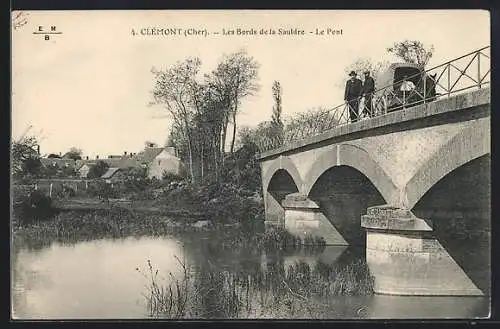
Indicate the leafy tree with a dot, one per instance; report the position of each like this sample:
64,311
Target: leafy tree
32,166
202,110
365,64
34,207
49,171
66,171
21,151
276,121
136,179
235,78
261,136
98,169
175,88
74,154
308,123
412,51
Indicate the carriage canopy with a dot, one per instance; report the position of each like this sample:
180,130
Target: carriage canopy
395,73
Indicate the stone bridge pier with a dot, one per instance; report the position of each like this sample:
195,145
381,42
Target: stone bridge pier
412,186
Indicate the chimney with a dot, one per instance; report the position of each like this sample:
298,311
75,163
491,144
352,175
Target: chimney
125,153
97,157
60,154
87,157
38,149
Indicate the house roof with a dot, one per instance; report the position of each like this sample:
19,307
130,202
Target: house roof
148,154
123,162
110,172
58,162
167,155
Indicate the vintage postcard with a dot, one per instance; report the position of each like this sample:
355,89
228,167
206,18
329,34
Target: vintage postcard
250,164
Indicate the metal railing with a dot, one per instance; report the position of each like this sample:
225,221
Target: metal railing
462,74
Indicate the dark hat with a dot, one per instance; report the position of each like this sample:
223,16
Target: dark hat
352,73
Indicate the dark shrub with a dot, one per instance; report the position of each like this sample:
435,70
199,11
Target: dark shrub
36,207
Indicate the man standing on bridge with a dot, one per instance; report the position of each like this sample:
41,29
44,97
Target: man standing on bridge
368,89
352,94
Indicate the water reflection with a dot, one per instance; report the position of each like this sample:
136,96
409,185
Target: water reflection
98,279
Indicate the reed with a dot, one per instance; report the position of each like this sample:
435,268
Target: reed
296,291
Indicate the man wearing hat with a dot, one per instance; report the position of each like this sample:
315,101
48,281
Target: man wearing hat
368,89
352,94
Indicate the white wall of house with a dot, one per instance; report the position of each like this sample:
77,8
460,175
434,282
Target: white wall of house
164,162
84,170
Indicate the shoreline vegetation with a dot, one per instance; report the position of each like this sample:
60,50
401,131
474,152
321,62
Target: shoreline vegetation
270,290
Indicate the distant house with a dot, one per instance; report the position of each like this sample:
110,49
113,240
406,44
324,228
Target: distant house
146,157
113,175
164,162
85,168
122,162
57,162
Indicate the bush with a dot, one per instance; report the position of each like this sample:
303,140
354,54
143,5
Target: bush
35,207
136,180
66,191
171,177
32,166
98,169
102,190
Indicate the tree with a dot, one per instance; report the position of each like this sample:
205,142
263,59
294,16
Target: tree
412,51
21,151
66,171
235,78
136,179
74,154
262,136
365,64
175,89
276,121
98,169
308,123
32,166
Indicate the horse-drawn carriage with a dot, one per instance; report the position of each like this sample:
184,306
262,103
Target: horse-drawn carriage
403,85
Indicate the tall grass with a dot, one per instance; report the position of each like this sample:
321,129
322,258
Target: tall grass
170,300
296,291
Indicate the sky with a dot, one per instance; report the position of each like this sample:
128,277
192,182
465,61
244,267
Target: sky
89,87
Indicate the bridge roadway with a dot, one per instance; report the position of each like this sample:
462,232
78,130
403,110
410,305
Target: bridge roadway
412,185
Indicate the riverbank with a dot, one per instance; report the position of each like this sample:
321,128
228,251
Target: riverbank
92,224
143,206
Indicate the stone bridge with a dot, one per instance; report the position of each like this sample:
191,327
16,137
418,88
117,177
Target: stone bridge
413,186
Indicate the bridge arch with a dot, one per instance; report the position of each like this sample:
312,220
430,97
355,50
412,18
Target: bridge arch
467,145
282,163
359,159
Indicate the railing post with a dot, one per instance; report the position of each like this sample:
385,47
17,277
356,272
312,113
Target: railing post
448,89
424,77
479,69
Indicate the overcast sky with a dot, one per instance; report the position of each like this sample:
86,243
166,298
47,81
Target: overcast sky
89,87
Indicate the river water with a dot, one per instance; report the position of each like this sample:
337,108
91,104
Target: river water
106,279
